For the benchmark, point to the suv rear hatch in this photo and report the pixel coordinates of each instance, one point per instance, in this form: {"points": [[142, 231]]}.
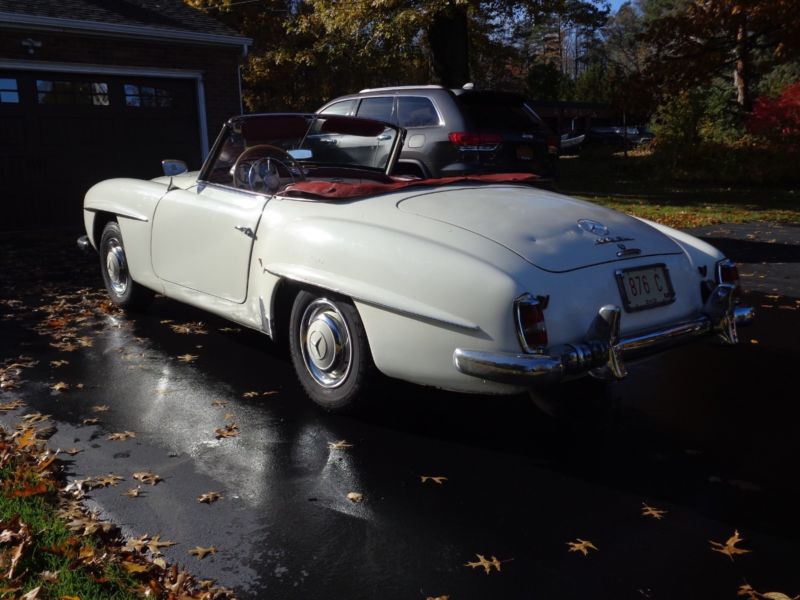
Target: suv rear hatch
{"points": [[506, 134]]}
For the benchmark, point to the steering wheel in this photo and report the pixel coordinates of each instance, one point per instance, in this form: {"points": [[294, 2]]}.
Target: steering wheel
{"points": [[266, 165]]}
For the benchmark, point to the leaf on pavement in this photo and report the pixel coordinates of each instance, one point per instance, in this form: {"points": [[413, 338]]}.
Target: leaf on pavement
{"points": [[201, 553], [26, 438], [582, 546], [209, 497], [121, 436], [649, 511], [91, 421], [219, 403], [729, 548], [197, 328], [188, 358], [340, 445], [486, 564], [147, 477], [36, 417], [100, 408], [355, 497], [133, 492], [58, 363], [61, 386], [155, 544], [439, 479], [73, 451], [230, 430]]}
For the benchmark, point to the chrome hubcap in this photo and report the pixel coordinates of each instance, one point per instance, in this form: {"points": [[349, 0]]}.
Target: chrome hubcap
{"points": [[325, 342], [116, 267]]}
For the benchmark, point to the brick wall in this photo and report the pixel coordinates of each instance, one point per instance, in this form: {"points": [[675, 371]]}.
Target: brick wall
{"points": [[218, 63]]}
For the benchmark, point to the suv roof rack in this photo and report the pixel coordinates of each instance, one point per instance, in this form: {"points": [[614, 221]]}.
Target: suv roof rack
{"points": [[401, 87]]}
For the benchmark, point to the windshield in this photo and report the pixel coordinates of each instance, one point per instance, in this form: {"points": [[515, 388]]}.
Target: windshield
{"points": [[262, 152]]}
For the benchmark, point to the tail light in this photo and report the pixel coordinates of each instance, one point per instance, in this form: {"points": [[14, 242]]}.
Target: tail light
{"points": [[466, 140], [727, 272], [553, 144], [531, 328]]}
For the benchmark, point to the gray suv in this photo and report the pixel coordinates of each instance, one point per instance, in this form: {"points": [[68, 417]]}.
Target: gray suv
{"points": [[458, 131]]}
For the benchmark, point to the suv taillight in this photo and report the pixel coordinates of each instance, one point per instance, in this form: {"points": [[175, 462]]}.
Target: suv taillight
{"points": [[553, 144], [466, 140], [531, 328], [727, 272]]}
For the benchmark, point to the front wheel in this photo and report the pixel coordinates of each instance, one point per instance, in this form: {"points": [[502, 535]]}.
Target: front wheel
{"points": [[329, 350], [122, 289]]}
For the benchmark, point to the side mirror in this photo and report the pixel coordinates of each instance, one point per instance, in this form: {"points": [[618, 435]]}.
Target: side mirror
{"points": [[173, 167]]}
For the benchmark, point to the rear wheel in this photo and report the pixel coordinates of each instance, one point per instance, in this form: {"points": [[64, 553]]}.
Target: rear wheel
{"points": [[122, 289], [329, 350]]}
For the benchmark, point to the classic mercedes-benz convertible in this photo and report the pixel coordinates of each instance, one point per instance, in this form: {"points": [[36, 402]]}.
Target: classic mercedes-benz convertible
{"points": [[296, 227]]}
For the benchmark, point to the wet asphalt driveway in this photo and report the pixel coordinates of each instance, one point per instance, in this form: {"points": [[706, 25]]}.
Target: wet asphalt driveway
{"points": [[707, 434]]}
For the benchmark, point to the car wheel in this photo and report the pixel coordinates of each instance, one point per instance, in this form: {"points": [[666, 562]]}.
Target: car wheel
{"points": [[122, 289], [329, 350]]}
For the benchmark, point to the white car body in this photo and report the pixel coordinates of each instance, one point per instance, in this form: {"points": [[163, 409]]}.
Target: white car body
{"points": [[433, 270]]}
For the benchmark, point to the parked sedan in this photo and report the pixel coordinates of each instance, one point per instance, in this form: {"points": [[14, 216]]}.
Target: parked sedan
{"points": [[484, 284]]}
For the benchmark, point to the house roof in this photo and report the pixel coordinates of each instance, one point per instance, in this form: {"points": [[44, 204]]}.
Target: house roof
{"points": [[162, 18]]}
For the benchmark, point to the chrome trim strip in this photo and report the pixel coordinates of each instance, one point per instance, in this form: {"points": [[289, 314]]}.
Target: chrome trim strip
{"points": [[116, 211]]}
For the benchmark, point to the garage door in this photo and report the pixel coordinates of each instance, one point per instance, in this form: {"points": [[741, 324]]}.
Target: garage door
{"points": [[61, 133]]}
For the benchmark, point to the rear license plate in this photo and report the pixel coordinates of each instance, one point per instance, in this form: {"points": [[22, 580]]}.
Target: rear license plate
{"points": [[524, 153], [645, 287]]}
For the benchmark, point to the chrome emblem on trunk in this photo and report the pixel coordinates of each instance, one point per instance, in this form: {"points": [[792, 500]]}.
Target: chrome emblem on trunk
{"points": [[593, 227]]}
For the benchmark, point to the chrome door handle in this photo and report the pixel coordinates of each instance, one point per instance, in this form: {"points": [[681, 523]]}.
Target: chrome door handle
{"points": [[245, 230]]}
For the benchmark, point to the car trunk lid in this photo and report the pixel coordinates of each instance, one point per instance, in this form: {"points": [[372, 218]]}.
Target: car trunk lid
{"points": [[551, 231]]}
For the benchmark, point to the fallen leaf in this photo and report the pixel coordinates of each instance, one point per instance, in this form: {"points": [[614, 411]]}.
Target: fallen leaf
{"points": [[250, 394], [201, 553], [753, 341], [355, 497], [73, 451], [26, 438], [36, 417], [49, 576], [729, 547], [133, 492], [58, 363], [134, 567], [582, 546], [649, 511], [155, 544], [188, 358], [209, 497], [121, 436], [340, 445], [100, 408], [435, 478], [219, 403], [91, 421], [147, 477], [32, 595], [230, 430], [486, 564], [61, 386]]}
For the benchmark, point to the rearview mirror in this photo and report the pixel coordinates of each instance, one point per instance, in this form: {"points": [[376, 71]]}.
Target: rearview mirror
{"points": [[173, 167]]}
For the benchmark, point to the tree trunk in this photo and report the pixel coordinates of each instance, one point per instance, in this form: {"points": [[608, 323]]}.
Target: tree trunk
{"points": [[447, 37], [740, 71]]}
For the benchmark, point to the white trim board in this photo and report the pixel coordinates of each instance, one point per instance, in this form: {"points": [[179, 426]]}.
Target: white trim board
{"points": [[90, 69], [121, 30]]}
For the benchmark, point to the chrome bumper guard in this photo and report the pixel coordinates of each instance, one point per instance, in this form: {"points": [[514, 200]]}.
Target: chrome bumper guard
{"points": [[84, 245], [603, 353]]}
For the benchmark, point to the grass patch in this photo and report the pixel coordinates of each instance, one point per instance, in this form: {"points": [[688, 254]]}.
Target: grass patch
{"points": [[631, 185], [50, 547]]}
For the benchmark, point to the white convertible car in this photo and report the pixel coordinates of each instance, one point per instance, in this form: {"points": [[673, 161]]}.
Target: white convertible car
{"points": [[486, 284]]}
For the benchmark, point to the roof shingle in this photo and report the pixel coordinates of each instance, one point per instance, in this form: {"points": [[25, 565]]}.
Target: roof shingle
{"points": [[161, 14]]}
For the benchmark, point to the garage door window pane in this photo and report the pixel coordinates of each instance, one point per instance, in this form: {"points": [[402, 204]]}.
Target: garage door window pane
{"points": [[147, 96], [72, 92], [8, 91]]}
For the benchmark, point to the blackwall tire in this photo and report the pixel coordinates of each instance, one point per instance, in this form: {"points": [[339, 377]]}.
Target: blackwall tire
{"points": [[122, 289], [330, 351]]}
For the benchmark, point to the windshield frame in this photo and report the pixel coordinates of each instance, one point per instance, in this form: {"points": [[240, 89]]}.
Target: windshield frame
{"points": [[233, 122]]}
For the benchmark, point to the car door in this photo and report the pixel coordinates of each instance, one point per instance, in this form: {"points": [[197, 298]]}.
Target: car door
{"points": [[203, 238]]}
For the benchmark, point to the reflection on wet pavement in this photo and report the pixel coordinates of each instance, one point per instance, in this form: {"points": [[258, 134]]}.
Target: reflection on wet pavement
{"points": [[707, 434]]}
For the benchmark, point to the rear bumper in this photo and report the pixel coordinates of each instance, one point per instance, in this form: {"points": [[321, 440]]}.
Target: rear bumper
{"points": [[603, 354]]}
